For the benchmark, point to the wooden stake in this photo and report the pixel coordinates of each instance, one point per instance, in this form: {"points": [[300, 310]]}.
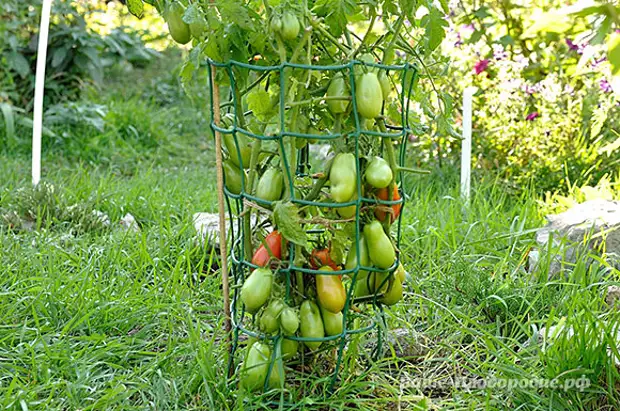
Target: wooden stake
{"points": [[222, 213]]}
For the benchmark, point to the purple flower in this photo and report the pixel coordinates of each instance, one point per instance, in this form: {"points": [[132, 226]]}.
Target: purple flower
{"points": [[571, 46], [531, 88], [605, 86], [459, 40], [579, 48], [468, 27], [532, 116], [498, 52], [481, 66], [597, 62]]}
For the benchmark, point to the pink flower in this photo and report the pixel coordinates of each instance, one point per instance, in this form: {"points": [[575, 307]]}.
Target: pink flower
{"points": [[532, 116], [605, 86], [481, 66]]}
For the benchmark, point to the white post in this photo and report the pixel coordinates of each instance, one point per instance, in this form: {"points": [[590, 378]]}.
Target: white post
{"points": [[466, 143], [39, 89]]}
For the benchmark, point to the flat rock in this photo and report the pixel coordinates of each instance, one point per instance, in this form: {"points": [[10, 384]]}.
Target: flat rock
{"points": [[592, 225], [545, 337], [207, 227], [612, 298], [129, 223]]}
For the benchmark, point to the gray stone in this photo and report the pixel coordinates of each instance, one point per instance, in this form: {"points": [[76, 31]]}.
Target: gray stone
{"points": [[612, 298], [590, 226], [129, 223], [207, 226]]}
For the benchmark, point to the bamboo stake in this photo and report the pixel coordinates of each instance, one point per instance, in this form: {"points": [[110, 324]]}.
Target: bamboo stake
{"points": [[222, 213]]}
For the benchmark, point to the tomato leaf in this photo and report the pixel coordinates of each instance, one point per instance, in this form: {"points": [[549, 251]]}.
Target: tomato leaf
{"points": [[286, 218], [338, 13], [339, 242], [193, 14], [235, 11], [260, 102], [434, 26], [136, 7]]}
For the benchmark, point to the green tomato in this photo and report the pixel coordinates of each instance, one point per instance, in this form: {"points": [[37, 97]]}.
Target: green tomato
{"points": [[369, 96], [245, 149], [400, 273], [343, 177], [256, 289], [332, 322], [179, 30], [268, 324], [276, 380], [255, 367], [289, 348], [270, 185], [363, 284], [289, 320], [353, 261], [269, 319], [348, 212], [378, 173], [380, 248], [394, 293], [338, 88], [310, 324], [300, 143], [232, 177], [360, 69], [290, 26], [276, 24], [386, 87]]}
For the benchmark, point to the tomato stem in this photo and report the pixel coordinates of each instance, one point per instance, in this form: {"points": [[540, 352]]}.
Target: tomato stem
{"points": [[300, 46], [247, 238], [373, 16], [413, 170], [317, 99], [316, 25]]}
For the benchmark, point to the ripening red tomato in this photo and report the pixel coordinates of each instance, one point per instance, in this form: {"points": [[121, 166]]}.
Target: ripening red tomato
{"points": [[262, 255], [330, 291], [382, 194], [320, 258]]}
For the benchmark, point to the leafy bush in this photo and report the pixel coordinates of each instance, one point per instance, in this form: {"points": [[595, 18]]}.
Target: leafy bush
{"points": [[545, 112], [76, 54]]}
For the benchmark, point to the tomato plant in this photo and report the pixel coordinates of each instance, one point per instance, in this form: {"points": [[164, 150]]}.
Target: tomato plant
{"points": [[289, 73]]}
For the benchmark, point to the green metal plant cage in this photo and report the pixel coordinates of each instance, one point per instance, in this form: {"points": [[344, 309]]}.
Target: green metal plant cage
{"points": [[371, 318]]}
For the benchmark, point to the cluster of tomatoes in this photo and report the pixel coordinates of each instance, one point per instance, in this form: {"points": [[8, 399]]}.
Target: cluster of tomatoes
{"points": [[317, 313]]}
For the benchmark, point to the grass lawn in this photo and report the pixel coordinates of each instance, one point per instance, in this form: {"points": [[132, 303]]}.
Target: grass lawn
{"points": [[94, 317]]}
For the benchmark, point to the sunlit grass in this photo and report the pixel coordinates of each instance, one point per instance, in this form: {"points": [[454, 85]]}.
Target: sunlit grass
{"points": [[96, 317]]}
